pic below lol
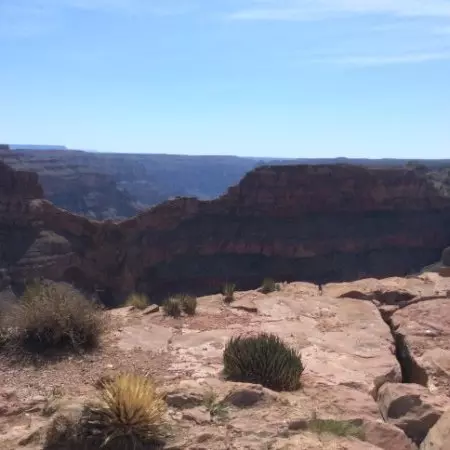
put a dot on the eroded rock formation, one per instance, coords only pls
(315, 223)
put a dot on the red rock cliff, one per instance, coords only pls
(318, 223)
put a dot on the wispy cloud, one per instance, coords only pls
(299, 10)
(27, 18)
(379, 61)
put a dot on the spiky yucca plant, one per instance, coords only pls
(188, 304)
(172, 307)
(263, 359)
(129, 414)
(228, 292)
(139, 301)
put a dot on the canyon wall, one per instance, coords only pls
(315, 223)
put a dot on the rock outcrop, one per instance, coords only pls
(351, 376)
(316, 223)
(346, 347)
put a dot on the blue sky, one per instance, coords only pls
(292, 78)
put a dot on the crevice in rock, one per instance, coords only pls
(411, 371)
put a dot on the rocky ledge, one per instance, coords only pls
(311, 223)
(376, 352)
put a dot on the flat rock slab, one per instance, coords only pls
(199, 353)
(342, 341)
(153, 338)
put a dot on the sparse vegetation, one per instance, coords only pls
(128, 415)
(342, 428)
(228, 292)
(269, 285)
(54, 316)
(263, 359)
(188, 304)
(172, 307)
(217, 409)
(138, 301)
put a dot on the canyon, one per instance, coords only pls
(119, 185)
(317, 223)
(375, 349)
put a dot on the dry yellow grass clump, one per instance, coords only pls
(129, 414)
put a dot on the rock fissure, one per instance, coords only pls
(411, 371)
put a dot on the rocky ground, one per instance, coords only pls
(377, 357)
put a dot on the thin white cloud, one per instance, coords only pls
(28, 18)
(298, 10)
(379, 61)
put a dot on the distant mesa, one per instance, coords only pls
(36, 147)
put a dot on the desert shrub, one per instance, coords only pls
(342, 428)
(269, 285)
(228, 292)
(55, 316)
(263, 359)
(128, 415)
(139, 301)
(172, 307)
(218, 409)
(188, 304)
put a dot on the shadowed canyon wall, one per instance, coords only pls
(315, 223)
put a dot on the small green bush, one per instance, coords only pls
(172, 307)
(188, 304)
(263, 359)
(228, 292)
(269, 285)
(55, 316)
(342, 428)
(217, 409)
(138, 301)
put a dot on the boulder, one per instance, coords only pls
(411, 408)
(439, 436)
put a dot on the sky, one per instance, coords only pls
(281, 78)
